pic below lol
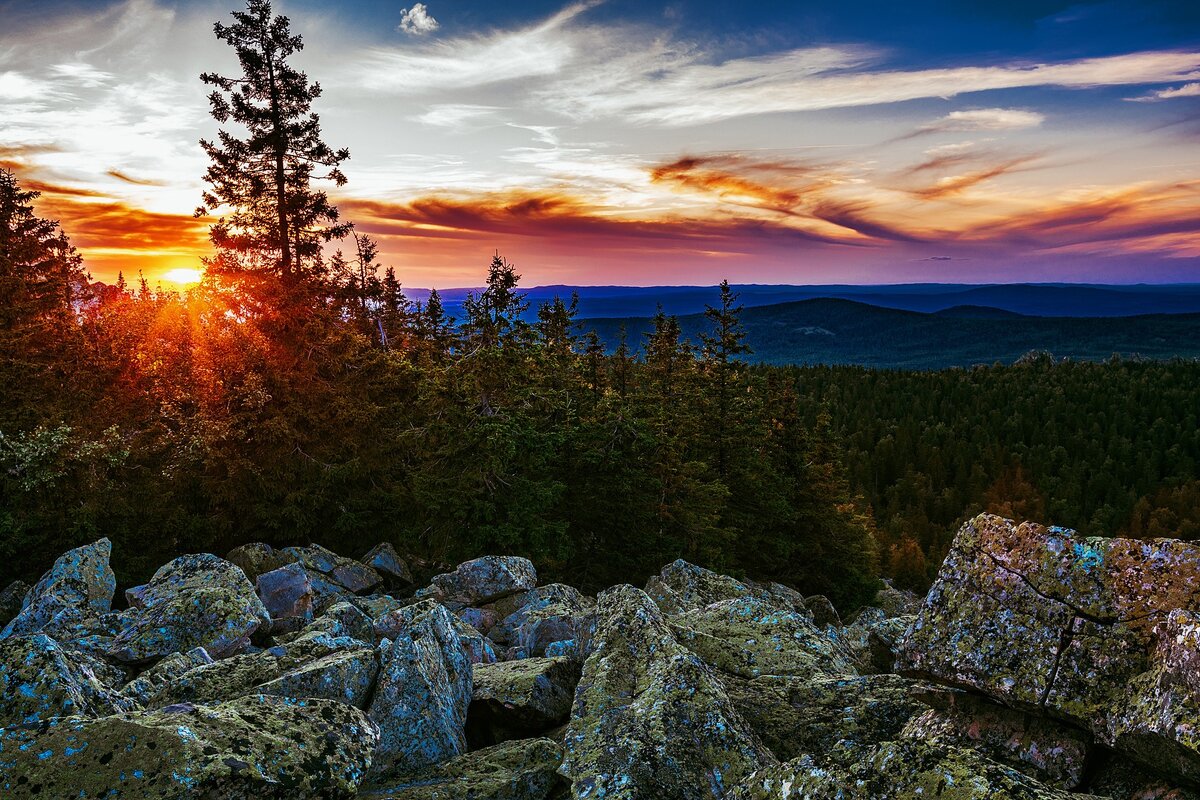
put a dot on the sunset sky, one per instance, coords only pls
(640, 142)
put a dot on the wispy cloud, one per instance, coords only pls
(1187, 90)
(984, 119)
(417, 20)
(455, 115)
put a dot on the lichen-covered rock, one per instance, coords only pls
(340, 619)
(1118, 778)
(39, 679)
(903, 770)
(519, 770)
(650, 718)
(483, 580)
(1041, 748)
(256, 558)
(423, 692)
(354, 576)
(749, 638)
(194, 601)
(154, 681)
(384, 559)
(481, 619)
(12, 600)
(518, 699)
(895, 602)
(684, 587)
(286, 592)
(1045, 620)
(796, 715)
(548, 614)
(253, 748)
(823, 611)
(79, 586)
(346, 676)
(479, 650)
(883, 639)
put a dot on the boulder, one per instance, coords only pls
(548, 614)
(384, 559)
(1043, 749)
(484, 580)
(355, 577)
(40, 680)
(194, 601)
(78, 587)
(684, 587)
(749, 638)
(518, 699)
(286, 592)
(895, 602)
(256, 558)
(650, 718)
(338, 620)
(12, 600)
(344, 675)
(253, 748)
(794, 716)
(883, 640)
(1047, 621)
(423, 692)
(479, 650)
(823, 611)
(481, 619)
(155, 680)
(904, 770)
(517, 770)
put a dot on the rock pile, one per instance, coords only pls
(1041, 665)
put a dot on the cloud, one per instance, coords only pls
(1187, 90)
(956, 184)
(985, 119)
(453, 115)
(417, 20)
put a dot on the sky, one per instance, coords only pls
(651, 143)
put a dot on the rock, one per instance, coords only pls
(883, 640)
(895, 602)
(1044, 620)
(12, 600)
(355, 577)
(684, 587)
(486, 579)
(549, 614)
(1118, 778)
(650, 719)
(194, 601)
(1050, 752)
(518, 770)
(905, 770)
(749, 638)
(481, 619)
(256, 558)
(341, 619)
(384, 559)
(40, 680)
(346, 676)
(518, 699)
(424, 689)
(286, 592)
(823, 611)
(154, 681)
(794, 716)
(478, 649)
(79, 586)
(253, 748)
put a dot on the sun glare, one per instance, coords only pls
(183, 275)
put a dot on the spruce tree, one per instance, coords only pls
(276, 220)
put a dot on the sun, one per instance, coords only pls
(183, 275)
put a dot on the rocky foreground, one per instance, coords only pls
(1041, 665)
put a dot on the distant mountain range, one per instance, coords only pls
(1039, 300)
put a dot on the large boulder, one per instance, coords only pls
(517, 770)
(650, 718)
(396, 622)
(423, 692)
(1047, 621)
(684, 587)
(384, 559)
(548, 614)
(256, 558)
(483, 580)
(194, 601)
(154, 681)
(354, 576)
(518, 699)
(749, 638)
(39, 680)
(78, 587)
(286, 592)
(254, 748)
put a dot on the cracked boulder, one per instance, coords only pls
(681, 587)
(257, 557)
(194, 601)
(650, 718)
(518, 699)
(384, 559)
(483, 580)
(286, 592)
(253, 748)
(549, 614)
(1044, 620)
(40, 679)
(78, 588)
(352, 576)
(517, 770)
(397, 621)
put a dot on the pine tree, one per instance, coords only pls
(276, 220)
(720, 350)
(494, 315)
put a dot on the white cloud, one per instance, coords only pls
(453, 115)
(417, 20)
(1187, 90)
(985, 119)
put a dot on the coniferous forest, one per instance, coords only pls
(296, 395)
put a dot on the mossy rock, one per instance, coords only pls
(519, 699)
(79, 586)
(525, 769)
(253, 748)
(40, 679)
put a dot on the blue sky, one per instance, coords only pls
(646, 143)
